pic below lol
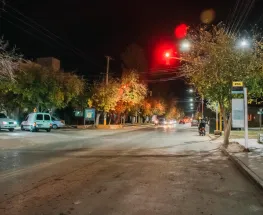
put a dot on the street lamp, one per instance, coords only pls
(185, 45)
(244, 43)
(191, 104)
(191, 90)
(191, 100)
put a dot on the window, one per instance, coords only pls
(2, 115)
(53, 119)
(47, 117)
(39, 117)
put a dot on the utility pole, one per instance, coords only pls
(107, 69)
(202, 107)
(107, 82)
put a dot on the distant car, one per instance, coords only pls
(6, 123)
(194, 123)
(57, 123)
(162, 121)
(181, 121)
(171, 122)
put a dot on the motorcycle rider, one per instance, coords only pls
(201, 125)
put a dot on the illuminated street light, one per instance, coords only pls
(243, 43)
(185, 45)
(191, 90)
(191, 104)
(191, 100)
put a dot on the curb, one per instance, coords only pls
(244, 169)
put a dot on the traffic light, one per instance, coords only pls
(167, 54)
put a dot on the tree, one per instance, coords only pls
(215, 61)
(132, 92)
(158, 107)
(104, 98)
(36, 86)
(9, 61)
(174, 113)
(133, 58)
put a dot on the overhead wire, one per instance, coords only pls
(244, 15)
(231, 17)
(42, 27)
(64, 44)
(236, 16)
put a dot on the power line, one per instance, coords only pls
(42, 27)
(64, 44)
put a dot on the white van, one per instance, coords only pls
(37, 121)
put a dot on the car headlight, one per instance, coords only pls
(15, 122)
(4, 123)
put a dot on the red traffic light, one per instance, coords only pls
(180, 31)
(167, 54)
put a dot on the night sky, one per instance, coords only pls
(85, 31)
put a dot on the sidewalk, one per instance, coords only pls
(250, 163)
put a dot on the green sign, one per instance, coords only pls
(89, 114)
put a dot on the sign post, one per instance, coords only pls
(239, 109)
(217, 116)
(89, 114)
(260, 118)
(246, 118)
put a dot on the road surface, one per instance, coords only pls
(163, 170)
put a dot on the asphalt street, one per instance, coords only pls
(152, 170)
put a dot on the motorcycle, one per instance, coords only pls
(202, 131)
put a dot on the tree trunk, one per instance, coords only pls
(110, 119)
(117, 119)
(227, 131)
(227, 125)
(97, 118)
(124, 117)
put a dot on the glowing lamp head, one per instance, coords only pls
(167, 54)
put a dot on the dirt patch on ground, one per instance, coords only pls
(235, 147)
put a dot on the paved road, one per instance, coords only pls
(145, 171)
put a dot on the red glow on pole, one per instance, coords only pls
(180, 31)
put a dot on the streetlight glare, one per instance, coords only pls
(191, 90)
(191, 100)
(185, 45)
(244, 43)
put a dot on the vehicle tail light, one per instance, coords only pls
(50, 125)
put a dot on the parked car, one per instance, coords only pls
(194, 123)
(57, 123)
(37, 121)
(6, 123)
